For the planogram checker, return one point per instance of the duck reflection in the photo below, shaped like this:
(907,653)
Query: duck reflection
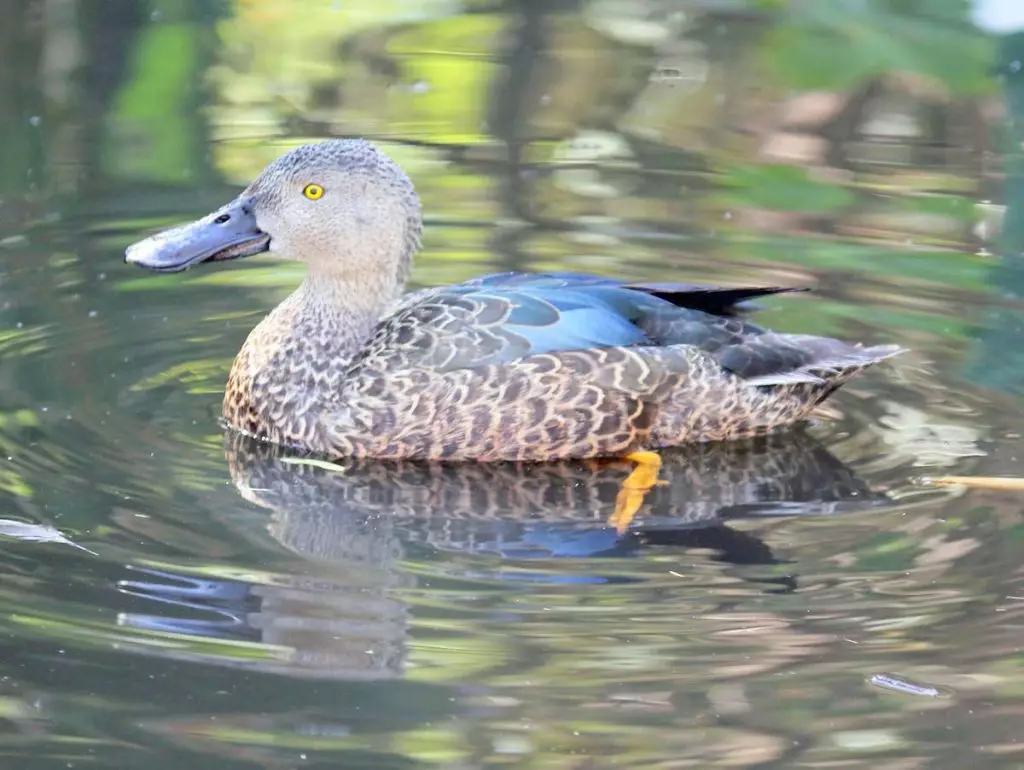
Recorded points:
(545,510)
(354,525)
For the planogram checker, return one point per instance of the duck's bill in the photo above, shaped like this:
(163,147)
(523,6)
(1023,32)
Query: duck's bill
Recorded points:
(228,233)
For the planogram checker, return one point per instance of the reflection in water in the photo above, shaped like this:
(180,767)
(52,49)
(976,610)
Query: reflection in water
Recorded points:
(997,356)
(330,630)
(366,517)
(539,510)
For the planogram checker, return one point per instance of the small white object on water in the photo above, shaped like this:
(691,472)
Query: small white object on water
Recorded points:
(38,533)
(900,685)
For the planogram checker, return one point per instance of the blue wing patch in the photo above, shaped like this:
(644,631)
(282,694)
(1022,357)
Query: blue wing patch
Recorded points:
(534,313)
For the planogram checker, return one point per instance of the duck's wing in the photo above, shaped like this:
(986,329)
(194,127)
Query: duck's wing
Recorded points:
(702,316)
(500,318)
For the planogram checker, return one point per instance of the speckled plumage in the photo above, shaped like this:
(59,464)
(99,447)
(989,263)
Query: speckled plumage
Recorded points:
(505,367)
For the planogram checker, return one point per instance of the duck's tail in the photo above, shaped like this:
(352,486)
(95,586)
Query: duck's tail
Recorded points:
(774,360)
(801,393)
(760,386)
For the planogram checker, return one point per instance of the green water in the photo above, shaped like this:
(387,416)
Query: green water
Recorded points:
(769,604)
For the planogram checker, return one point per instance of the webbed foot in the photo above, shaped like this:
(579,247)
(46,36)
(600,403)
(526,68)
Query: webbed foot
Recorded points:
(635,487)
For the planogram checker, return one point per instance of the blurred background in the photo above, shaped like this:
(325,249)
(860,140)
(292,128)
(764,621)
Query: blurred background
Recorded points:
(799,604)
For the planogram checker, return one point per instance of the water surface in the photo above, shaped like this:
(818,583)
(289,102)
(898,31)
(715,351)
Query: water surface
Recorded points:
(802,602)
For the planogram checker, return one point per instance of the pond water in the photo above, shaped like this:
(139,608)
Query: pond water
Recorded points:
(801,602)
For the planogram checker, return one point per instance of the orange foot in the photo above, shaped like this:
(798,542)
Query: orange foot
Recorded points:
(635,488)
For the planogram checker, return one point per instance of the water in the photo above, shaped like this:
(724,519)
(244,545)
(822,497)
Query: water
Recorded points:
(796,603)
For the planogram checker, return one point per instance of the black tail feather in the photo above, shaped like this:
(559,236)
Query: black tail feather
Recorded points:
(716,300)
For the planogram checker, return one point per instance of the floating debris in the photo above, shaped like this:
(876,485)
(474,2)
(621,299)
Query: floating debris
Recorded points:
(322,464)
(25,530)
(1006,483)
(898,684)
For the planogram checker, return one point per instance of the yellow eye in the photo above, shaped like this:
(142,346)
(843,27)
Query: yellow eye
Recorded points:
(313,191)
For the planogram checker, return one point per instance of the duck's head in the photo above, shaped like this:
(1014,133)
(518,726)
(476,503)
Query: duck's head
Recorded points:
(341,206)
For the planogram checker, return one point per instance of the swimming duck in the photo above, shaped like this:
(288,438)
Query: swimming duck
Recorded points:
(511,366)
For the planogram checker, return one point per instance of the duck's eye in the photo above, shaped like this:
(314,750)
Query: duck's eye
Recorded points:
(313,192)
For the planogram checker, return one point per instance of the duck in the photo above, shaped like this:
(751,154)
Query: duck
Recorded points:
(505,367)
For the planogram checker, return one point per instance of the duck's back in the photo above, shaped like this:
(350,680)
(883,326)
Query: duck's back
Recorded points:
(500,318)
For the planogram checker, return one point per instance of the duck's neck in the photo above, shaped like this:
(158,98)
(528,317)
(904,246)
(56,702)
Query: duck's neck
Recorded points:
(319,327)
(344,308)
(296,359)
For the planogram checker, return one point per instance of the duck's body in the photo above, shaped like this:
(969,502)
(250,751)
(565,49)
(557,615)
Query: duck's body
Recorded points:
(529,367)
(504,367)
